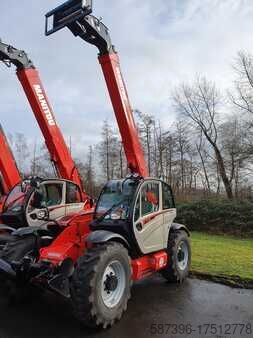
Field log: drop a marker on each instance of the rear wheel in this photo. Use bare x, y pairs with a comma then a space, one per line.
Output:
179, 252
101, 285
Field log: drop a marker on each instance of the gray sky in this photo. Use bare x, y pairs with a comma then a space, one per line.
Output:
161, 43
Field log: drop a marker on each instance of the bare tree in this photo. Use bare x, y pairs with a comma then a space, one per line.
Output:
146, 125
109, 149
88, 173
200, 104
21, 150
200, 146
34, 159
235, 150
170, 154
183, 147
41, 164
243, 96
158, 150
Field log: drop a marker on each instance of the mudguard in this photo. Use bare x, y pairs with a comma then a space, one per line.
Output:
177, 226
102, 236
26, 231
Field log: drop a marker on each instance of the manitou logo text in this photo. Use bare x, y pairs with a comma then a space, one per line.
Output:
44, 105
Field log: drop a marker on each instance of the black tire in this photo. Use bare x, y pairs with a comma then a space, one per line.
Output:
173, 272
86, 285
17, 248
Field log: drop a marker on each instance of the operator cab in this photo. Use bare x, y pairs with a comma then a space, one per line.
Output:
140, 210
26, 200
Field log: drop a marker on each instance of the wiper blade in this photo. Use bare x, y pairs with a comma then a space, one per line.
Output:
109, 210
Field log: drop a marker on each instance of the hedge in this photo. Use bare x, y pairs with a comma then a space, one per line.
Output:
218, 216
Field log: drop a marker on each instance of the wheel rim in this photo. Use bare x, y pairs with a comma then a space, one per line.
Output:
113, 284
182, 255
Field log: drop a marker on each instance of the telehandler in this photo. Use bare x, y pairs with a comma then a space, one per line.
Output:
132, 234
62, 196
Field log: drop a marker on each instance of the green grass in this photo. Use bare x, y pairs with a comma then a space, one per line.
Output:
222, 255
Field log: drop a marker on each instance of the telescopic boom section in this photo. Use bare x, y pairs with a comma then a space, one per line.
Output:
75, 14
59, 152
35, 93
8, 168
124, 115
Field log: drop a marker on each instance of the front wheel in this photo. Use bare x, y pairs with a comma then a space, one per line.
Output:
179, 257
101, 285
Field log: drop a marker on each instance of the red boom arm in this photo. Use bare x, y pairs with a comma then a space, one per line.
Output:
35, 93
59, 152
75, 14
123, 112
8, 168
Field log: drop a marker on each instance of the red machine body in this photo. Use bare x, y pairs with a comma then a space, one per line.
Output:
72, 241
8, 168
93, 257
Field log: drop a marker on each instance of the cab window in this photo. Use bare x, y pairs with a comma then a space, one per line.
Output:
73, 194
149, 198
168, 200
15, 197
52, 194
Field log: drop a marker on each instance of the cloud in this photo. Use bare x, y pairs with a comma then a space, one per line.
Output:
161, 43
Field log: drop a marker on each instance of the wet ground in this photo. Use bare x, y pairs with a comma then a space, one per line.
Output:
155, 305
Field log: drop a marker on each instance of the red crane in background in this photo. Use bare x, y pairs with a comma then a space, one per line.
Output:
62, 196
30, 80
10, 175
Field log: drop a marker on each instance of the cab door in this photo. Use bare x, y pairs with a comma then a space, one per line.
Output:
169, 210
148, 223
53, 198
74, 201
